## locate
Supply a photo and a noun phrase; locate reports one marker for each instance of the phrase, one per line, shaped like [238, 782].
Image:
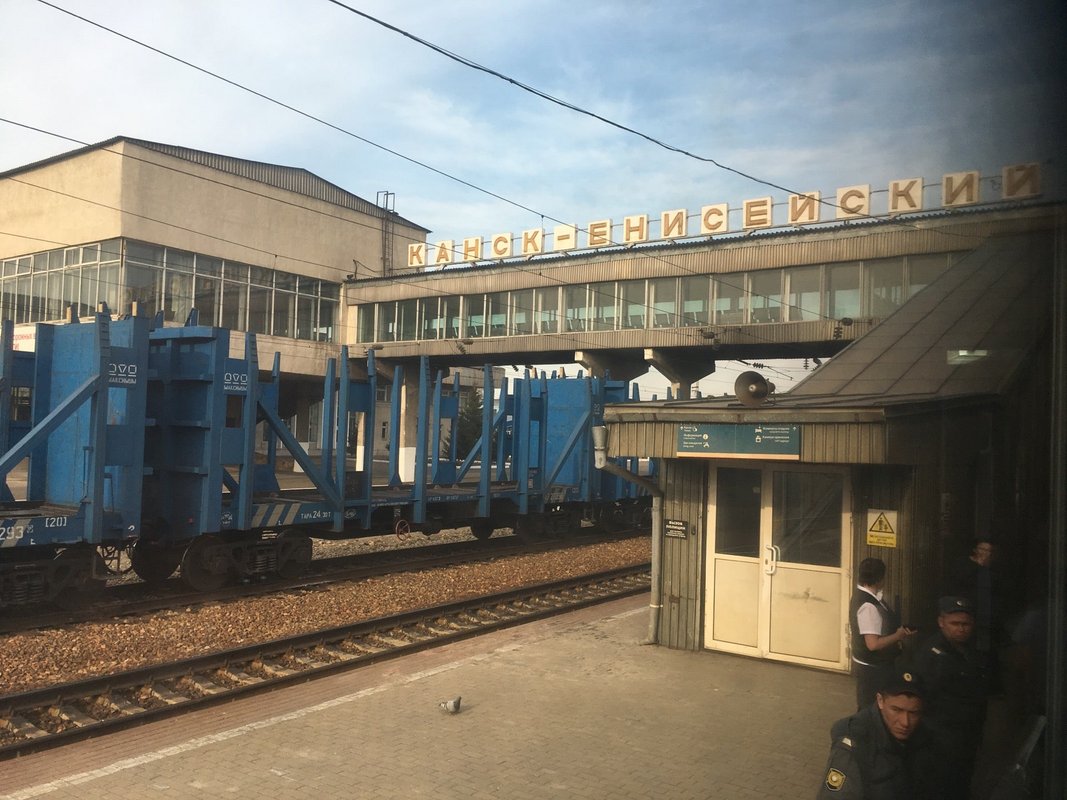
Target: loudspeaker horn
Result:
[752, 389]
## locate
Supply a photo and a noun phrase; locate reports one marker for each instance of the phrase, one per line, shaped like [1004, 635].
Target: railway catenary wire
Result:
[56, 715]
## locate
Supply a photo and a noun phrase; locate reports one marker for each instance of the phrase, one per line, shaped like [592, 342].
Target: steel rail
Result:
[48, 717]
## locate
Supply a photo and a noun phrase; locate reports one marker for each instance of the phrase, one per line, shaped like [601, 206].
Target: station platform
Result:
[569, 707]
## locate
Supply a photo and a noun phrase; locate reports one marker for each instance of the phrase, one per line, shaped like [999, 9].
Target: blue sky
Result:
[810, 96]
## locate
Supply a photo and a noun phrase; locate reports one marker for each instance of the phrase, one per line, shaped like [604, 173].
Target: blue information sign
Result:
[767, 441]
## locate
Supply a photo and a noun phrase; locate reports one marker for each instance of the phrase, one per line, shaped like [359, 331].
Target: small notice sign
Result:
[882, 527]
[678, 528]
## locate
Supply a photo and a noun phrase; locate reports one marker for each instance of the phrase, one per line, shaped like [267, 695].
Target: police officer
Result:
[885, 752]
[956, 675]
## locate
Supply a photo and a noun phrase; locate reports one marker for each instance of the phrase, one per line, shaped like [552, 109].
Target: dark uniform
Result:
[867, 763]
[957, 680]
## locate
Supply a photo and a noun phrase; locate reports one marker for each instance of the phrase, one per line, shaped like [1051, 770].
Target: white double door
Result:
[778, 553]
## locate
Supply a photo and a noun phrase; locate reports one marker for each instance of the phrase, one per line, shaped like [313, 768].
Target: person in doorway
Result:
[956, 675]
[876, 632]
[885, 751]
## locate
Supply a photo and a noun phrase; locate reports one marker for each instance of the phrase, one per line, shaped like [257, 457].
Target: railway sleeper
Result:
[22, 728]
[71, 715]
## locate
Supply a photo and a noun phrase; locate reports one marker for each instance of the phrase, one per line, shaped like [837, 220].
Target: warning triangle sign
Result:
[881, 525]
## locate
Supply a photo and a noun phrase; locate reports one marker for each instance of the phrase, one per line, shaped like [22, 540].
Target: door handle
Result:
[772, 561]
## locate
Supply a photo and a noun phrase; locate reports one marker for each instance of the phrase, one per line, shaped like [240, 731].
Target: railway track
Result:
[35, 720]
[139, 598]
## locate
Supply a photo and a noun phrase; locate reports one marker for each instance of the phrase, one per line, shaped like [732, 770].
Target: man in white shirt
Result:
[876, 632]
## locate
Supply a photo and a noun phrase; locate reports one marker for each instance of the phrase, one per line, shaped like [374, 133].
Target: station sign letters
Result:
[777, 442]
[902, 196]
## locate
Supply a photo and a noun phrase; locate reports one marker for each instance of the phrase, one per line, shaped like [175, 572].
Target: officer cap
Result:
[950, 605]
[903, 682]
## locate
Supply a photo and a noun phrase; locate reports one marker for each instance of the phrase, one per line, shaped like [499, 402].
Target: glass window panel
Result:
[737, 511]
[40, 262]
[885, 286]
[729, 299]
[71, 257]
[664, 302]
[285, 280]
[53, 299]
[206, 265]
[547, 310]
[843, 290]
[386, 322]
[807, 517]
[177, 295]
[696, 292]
[284, 314]
[71, 288]
[765, 295]
[8, 267]
[234, 310]
[922, 270]
[474, 307]
[327, 331]
[259, 310]
[575, 307]
[305, 317]
[111, 250]
[407, 320]
[432, 323]
[206, 299]
[605, 304]
[144, 286]
[55, 259]
[498, 314]
[234, 271]
[632, 295]
[331, 291]
[22, 299]
[309, 286]
[179, 260]
[803, 293]
[142, 253]
[450, 311]
[365, 323]
[24, 265]
[7, 299]
[522, 312]
[88, 294]
[111, 290]
[260, 276]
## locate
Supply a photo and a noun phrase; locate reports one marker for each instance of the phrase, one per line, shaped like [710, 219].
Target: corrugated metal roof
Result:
[993, 300]
[292, 179]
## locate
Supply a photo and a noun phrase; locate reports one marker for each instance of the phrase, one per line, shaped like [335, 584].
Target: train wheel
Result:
[206, 564]
[154, 562]
[294, 554]
[482, 529]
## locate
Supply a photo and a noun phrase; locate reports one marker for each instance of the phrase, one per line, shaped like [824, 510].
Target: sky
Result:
[805, 96]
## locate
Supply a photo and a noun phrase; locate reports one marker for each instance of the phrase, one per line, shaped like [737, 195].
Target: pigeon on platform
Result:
[451, 706]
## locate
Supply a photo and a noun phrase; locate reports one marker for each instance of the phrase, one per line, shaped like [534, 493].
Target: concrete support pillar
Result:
[410, 403]
[682, 367]
[619, 365]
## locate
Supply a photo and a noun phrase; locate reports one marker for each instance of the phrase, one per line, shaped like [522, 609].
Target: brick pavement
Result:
[571, 707]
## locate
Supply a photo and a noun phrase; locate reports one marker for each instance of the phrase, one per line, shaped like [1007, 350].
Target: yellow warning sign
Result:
[881, 527]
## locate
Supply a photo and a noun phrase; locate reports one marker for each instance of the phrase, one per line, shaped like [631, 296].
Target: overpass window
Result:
[474, 307]
[922, 270]
[365, 323]
[451, 314]
[497, 312]
[386, 322]
[885, 286]
[604, 302]
[729, 299]
[407, 320]
[547, 310]
[575, 307]
[843, 290]
[305, 317]
[632, 296]
[664, 302]
[765, 295]
[695, 295]
[431, 324]
[802, 289]
[522, 311]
